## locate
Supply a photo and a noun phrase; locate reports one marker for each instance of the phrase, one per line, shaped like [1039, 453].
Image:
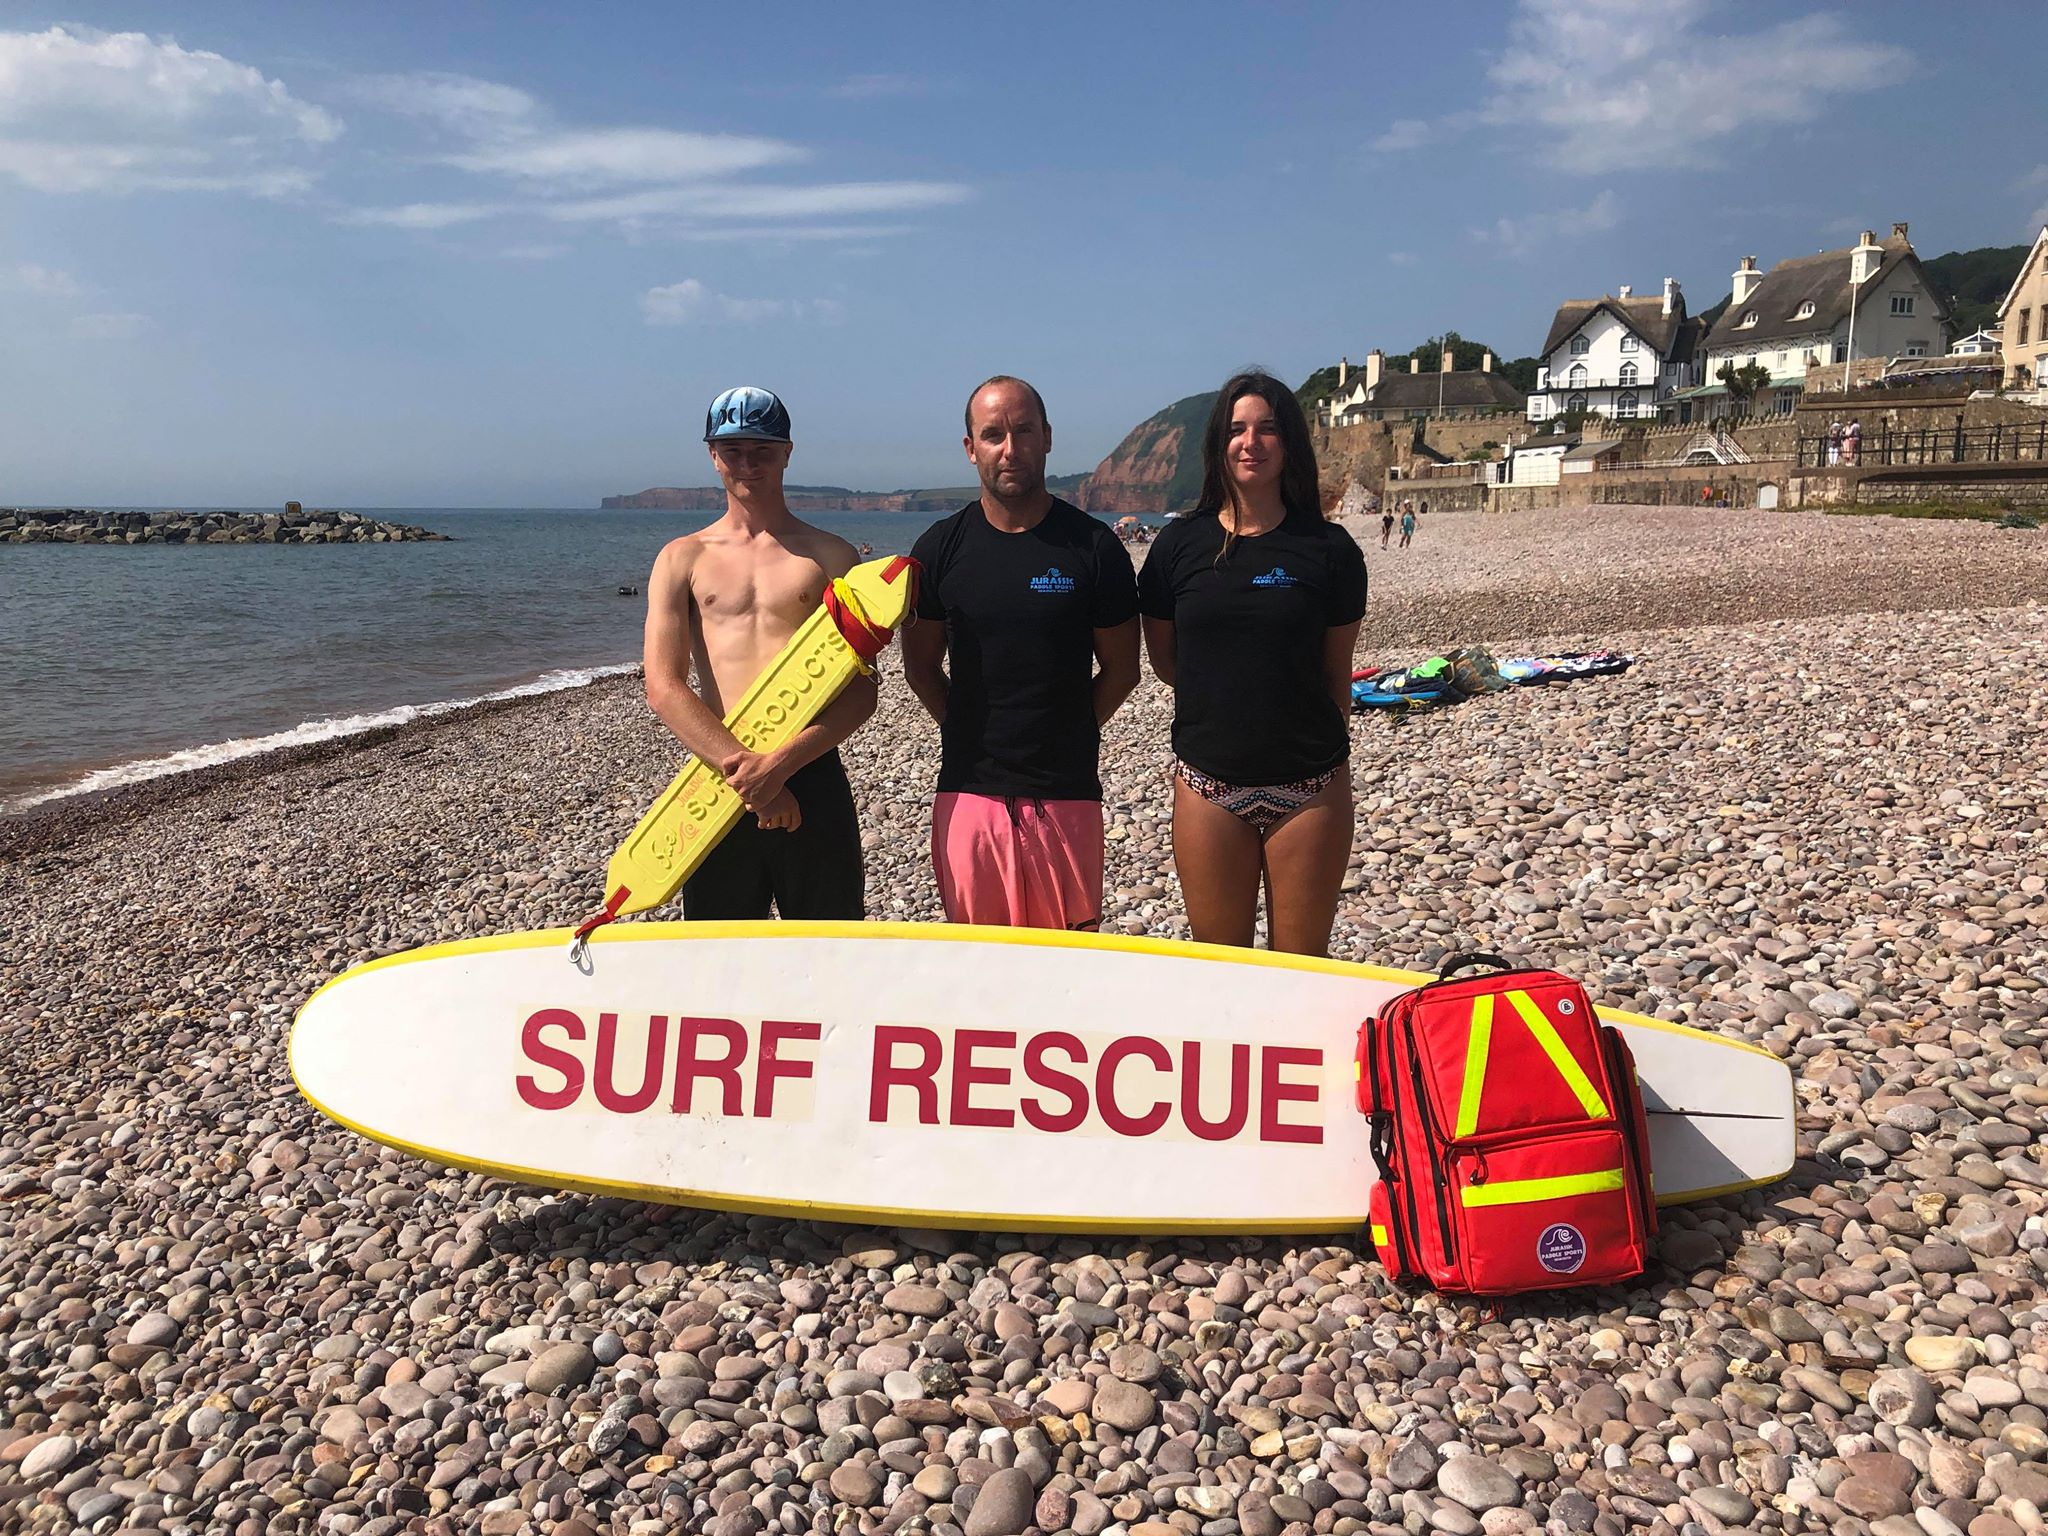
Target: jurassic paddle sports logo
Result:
[1279, 576]
[1054, 582]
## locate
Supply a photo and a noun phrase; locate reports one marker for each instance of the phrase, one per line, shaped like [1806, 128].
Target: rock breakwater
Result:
[74, 525]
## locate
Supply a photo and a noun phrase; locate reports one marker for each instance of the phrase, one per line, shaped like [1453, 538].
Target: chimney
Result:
[1670, 294]
[1486, 362]
[1447, 365]
[1343, 371]
[1415, 362]
[1746, 279]
[1865, 259]
[1899, 230]
[1375, 366]
[1627, 291]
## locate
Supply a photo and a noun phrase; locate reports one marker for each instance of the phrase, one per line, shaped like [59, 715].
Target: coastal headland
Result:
[1809, 817]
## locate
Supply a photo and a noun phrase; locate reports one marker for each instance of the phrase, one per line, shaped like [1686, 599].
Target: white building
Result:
[1870, 300]
[1615, 356]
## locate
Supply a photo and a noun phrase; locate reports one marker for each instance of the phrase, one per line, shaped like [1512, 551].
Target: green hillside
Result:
[1975, 282]
[1190, 415]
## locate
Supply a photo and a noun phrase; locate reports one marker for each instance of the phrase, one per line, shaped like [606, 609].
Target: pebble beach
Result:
[1810, 818]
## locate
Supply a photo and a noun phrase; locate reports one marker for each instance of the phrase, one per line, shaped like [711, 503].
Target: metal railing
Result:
[2004, 443]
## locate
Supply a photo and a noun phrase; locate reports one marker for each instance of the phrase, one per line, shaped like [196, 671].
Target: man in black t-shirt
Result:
[1026, 643]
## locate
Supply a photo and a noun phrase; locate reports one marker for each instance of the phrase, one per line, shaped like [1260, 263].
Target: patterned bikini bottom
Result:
[1262, 807]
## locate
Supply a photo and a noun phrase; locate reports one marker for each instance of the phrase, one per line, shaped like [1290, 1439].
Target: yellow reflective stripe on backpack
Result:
[1560, 1058]
[1379, 1237]
[1526, 1191]
[1476, 1046]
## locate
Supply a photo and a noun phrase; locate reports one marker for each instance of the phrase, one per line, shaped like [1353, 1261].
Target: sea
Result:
[123, 663]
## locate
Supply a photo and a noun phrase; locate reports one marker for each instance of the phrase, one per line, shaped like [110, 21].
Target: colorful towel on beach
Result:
[1464, 673]
[1567, 664]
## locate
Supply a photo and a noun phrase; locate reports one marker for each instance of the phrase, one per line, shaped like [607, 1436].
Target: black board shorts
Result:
[813, 872]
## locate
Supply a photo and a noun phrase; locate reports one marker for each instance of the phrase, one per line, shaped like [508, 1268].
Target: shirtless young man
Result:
[728, 598]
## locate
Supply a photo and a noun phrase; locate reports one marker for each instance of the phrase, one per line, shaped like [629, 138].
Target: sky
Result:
[470, 254]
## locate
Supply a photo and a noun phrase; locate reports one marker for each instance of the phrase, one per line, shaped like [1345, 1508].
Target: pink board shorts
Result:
[1016, 862]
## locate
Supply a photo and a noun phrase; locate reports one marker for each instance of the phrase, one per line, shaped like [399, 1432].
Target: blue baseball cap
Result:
[747, 412]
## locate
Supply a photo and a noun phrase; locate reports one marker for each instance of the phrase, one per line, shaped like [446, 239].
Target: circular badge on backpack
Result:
[1561, 1249]
[1566, 1005]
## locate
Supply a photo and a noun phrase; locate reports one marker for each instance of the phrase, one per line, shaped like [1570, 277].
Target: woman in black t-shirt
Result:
[1251, 606]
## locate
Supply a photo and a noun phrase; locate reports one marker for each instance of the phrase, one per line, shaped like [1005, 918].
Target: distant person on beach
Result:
[1026, 642]
[1408, 524]
[728, 598]
[1386, 526]
[1252, 604]
[1852, 443]
[1834, 442]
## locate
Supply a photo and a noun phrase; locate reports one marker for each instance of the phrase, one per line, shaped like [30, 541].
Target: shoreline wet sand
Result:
[1810, 817]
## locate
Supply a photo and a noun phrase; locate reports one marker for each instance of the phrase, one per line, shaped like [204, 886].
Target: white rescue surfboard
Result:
[938, 1076]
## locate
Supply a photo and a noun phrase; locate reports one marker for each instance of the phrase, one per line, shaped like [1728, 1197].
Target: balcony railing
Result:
[2006, 443]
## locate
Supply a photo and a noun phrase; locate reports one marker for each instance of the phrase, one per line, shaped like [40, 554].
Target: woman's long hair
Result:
[1300, 492]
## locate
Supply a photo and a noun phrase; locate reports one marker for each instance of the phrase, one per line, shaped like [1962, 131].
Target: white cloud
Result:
[689, 302]
[109, 327]
[1401, 258]
[1599, 86]
[637, 177]
[43, 282]
[728, 201]
[1403, 133]
[612, 156]
[423, 215]
[460, 102]
[1516, 237]
[84, 111]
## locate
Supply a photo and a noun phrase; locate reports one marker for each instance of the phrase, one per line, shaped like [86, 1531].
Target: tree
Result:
[1743, 383]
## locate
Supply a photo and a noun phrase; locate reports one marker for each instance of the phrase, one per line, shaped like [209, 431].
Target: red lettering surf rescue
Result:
[1051, 1082]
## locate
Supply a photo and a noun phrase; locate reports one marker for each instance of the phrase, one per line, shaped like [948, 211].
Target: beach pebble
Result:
[261, 1320]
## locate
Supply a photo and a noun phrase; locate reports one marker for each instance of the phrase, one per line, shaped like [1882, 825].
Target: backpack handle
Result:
[1477, 957]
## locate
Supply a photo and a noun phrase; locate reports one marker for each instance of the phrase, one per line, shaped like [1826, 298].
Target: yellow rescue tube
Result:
[838, 643]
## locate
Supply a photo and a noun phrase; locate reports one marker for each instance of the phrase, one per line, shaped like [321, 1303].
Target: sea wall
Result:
[2023, 484]
[74, 525]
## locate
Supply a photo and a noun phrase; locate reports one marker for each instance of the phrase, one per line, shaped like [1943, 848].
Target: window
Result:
[1581, 346]
[1625, 403]
[1902, 303]
[1805, 311]
[1628, 373]
[2022, 341]
[1785, 401]
[1575, 403]
[1628, 341]
[1749, 319]
[1916, 349]
[1577, 377]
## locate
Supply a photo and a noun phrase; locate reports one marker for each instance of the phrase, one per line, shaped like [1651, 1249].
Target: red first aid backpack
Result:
[1509, 1133]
